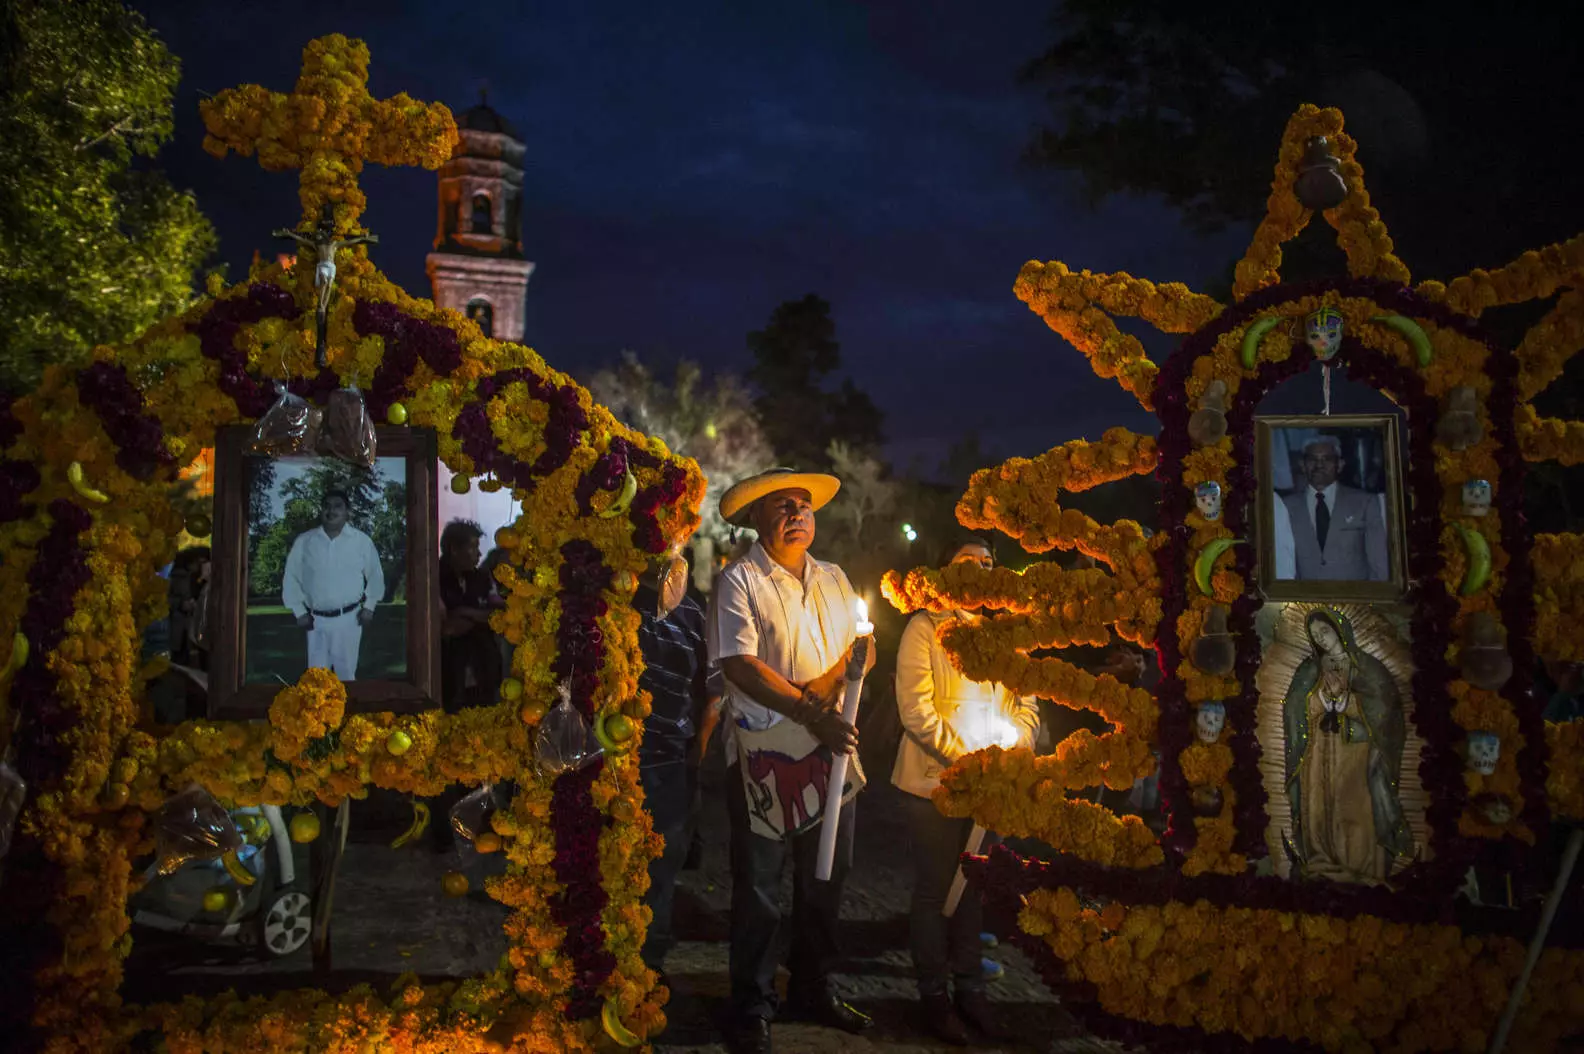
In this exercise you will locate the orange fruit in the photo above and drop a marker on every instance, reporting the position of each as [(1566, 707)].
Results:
[(532, 711), (217, 900), (397, 414), (454, 883), (488, 842), (461, 484), (511, 689), (507, 538), (398, 743)]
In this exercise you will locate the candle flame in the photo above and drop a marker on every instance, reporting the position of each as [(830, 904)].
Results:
[(862, 609)]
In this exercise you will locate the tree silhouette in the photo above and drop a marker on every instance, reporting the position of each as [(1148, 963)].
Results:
[(714, 423), (793, 356)]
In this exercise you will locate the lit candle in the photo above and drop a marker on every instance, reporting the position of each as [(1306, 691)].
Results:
[(838, 773)]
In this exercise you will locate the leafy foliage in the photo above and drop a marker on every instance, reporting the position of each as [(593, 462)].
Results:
[(1151, 97), (715, 424), (379, 509), (94, 250), (793, 357)]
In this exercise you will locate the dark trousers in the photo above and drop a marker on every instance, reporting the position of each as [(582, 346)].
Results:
[(943, 949), (668, 795), (756, 866)]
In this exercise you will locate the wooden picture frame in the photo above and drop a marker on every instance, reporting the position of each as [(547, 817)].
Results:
[(1395, 583), (231, 697)]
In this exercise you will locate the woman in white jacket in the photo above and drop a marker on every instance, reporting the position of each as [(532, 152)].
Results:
[(944, 716)]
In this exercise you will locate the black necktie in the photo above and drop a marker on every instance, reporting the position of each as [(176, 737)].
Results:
[(1322, 519)]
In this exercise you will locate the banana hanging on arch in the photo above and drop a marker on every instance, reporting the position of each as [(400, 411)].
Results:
[(1248, 351), (74, 476), (1204, 563), (1410, 331), (1477, 576), (624, 499)]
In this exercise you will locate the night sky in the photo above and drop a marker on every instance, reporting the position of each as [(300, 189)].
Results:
[(687, 173)]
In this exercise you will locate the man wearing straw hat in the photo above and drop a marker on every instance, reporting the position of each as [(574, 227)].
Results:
[(782, 629)]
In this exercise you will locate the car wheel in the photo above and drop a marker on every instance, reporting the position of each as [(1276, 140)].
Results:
[(285, 923)]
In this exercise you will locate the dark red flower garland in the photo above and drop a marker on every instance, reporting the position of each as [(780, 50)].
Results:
[(408, 341), (106, 389), (561, 435), (574, 818), (18, 479), (59, 572)]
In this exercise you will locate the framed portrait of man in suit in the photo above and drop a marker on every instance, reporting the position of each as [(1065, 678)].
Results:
[(1330, 508)]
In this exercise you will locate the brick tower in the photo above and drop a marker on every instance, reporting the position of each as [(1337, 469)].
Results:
[(477, 267)]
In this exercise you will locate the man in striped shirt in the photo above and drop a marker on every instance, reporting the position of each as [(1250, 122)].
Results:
[(671, 637)]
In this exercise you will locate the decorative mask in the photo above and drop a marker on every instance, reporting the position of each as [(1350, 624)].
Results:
[(1323, 332), (1210, 720), (1484, 750), (1476, 497), (1207, 496)]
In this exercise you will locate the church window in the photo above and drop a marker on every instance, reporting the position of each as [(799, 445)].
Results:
[(482, 314), (483, 215)]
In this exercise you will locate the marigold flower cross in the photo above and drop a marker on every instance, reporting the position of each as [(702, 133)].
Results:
[(327, 127)]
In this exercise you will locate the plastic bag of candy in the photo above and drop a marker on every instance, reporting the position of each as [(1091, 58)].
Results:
[(290, 426)]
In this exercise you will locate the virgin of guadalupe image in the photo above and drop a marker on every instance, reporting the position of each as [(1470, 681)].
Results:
[(1343, 718)]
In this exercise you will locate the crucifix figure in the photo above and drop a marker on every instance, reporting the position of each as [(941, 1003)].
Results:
[(327, 128), (324, 244)]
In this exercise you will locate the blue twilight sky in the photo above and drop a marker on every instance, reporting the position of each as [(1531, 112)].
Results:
[(691, 165)]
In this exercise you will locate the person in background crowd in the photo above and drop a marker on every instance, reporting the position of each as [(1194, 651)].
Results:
[(188, 576), (671, 636), (333, 582), (470, 661), (495, 558), (783, 631), (945, 716)]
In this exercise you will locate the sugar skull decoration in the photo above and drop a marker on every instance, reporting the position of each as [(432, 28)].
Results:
[(1484, 751), (1476, 497), (1210, 720), (1323, 332), (1207, 496)]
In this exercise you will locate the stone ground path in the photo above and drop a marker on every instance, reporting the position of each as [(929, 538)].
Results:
[(390, 918)]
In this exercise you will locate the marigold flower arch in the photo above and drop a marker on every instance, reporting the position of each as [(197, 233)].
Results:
[(1325, 964), (78, 581)]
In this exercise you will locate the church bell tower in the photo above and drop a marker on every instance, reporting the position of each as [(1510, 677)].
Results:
[(477, 267)]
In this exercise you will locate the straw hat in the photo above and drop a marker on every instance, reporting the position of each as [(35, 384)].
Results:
[(736, 502)]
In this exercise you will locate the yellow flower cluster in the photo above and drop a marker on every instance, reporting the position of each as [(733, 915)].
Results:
[(1550, 438), (1545, 349), (1066, 302), (1565, 780), (327, 127), (1351, 986), (1535, 275), (1360, 232), (1018, 795)]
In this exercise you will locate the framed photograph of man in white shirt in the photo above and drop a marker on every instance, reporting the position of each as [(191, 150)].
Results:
[(323, 563), (1329, 511)]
